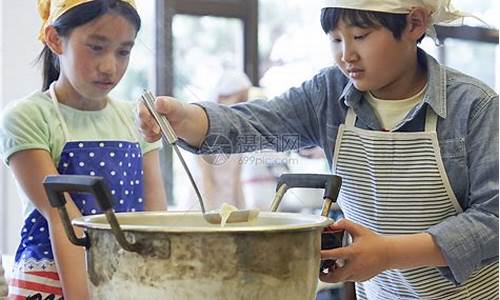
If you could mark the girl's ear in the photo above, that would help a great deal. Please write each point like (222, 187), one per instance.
(417, 21)
(53, 40)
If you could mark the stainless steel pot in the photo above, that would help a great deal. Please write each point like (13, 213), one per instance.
(178, 255)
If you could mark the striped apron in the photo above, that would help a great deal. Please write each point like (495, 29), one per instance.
(395, 183)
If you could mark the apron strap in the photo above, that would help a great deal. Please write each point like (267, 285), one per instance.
(350, 118)
(430, 119)
(53, 97)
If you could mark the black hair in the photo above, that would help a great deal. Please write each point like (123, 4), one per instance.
(396, 23)
(77, 16)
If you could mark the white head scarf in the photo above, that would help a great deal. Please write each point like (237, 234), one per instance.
(440, 11)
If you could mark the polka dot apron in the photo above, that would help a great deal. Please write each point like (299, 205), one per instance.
(119, 162)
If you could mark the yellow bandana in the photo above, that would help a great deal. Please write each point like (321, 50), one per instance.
(50, 10)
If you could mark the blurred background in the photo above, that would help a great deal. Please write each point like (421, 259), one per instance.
(185, 46)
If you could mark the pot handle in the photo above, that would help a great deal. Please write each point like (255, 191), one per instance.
(331, 184)
(56, 185)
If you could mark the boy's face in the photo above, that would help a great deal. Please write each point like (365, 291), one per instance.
(373, 59)
(95, 56)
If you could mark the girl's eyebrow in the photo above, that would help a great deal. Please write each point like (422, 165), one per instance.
(102, 38)
(98, 37)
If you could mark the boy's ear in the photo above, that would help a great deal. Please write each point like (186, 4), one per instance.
(417, 21)
(53, 40)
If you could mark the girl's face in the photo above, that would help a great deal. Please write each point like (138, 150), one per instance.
(95, 57)
(373, 59)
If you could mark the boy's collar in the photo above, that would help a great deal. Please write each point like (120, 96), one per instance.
(435, 95)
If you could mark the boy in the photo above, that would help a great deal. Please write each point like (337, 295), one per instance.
(416, 144)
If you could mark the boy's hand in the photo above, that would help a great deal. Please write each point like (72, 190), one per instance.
(190, 122)
(366, 257)
(173, 109)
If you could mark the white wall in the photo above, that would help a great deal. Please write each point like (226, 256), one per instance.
(19, 47)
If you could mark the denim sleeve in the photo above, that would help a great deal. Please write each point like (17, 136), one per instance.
(469, 240)
(286, 122)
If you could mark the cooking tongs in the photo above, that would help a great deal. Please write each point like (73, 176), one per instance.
(169, 137)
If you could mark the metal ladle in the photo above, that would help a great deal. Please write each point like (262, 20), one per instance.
(169, 137)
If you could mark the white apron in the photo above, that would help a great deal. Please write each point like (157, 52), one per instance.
(395, 183)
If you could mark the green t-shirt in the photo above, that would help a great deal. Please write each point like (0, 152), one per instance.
(33, 123)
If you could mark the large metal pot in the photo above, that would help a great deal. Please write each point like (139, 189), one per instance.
(178, 255)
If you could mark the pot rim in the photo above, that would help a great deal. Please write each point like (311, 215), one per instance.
(295, 222)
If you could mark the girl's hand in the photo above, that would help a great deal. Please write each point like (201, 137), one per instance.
(366, 257)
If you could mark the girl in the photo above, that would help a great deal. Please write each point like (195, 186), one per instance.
(72, 127)
(416, 144)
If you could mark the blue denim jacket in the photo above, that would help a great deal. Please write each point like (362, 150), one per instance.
(467, 132)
